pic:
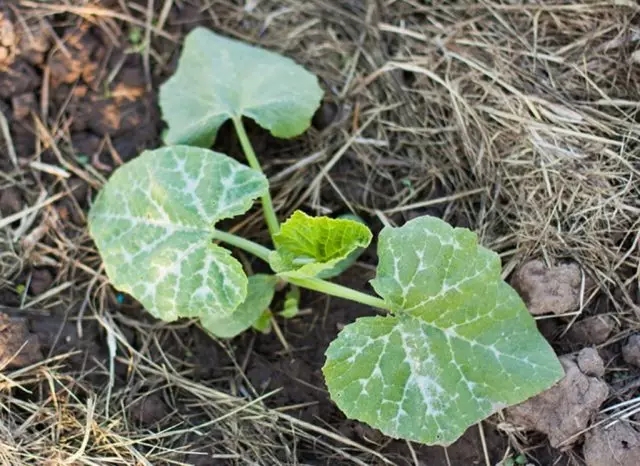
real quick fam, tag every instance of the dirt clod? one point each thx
(618, 445)
(18, 346)
(590, 362)
(549, 289)
(566, 408)
(631, 350)
(592, 330)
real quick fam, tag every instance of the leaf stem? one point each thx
(333, 289)
(246, 245)
(267, 203)
(315, 284)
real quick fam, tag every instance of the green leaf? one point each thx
(263, 323)
(291, 303)
(521, 459)
(153, 224)
(260, 293)
(460, 346)
(306, 246)
(220, 78)
(348, 261)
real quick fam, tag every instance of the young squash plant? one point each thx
(456, 343)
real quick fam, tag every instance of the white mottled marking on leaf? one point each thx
(464, 341)
(154, 222)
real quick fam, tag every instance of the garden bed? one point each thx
(517, 121)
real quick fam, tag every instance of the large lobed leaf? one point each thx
(259, 296)
(308, 246)
(460, 344)
(153, 224)
(220, 78)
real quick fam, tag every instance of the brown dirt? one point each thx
(631, 350)
(565, 410)
(548, 290)
(617, 445)
(532, 124)
(19, 347)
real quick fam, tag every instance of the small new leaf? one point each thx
(259, 296)
(460, 345)
(291, 305)
(220, 78)
(348, 261)
(153, 224)
(307, 246)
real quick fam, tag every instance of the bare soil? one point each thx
(458, 128)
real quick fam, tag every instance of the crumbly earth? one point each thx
(593, 330)
(548, 290)
(590, 362)
(564, 411)
(631, 350)
(616, 445)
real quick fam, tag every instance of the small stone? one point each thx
(565, 409)
(549, 289)
(590, 362)
(631, 350)
(593, 330)
(617, 445)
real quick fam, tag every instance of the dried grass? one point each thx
(517, 120)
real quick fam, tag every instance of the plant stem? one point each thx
(315, 284)
(267, 203)
(333, 289)
(246, 245)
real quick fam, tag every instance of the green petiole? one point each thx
(267, 203)
(246, 245)
(260, 251)
(333, 289)
(314, 284)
